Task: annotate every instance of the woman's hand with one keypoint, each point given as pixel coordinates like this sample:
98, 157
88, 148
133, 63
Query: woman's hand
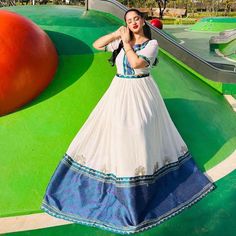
125, 34
116, 34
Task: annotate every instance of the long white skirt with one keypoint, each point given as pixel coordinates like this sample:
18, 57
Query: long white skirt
129, 132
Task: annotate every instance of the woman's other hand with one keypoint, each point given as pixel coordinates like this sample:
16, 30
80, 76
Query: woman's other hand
125, 34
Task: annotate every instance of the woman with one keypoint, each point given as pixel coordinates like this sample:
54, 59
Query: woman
127, 169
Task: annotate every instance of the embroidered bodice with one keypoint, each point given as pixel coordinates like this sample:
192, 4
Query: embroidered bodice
147, 50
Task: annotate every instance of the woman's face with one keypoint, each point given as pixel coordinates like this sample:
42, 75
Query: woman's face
134, 22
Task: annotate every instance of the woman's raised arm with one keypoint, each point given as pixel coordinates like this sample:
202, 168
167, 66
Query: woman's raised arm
100, 43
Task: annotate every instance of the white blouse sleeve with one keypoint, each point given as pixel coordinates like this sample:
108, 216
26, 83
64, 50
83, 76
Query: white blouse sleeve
149, 52
110, 47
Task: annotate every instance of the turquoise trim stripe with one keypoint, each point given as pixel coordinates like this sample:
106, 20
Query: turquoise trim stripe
132, 76
138, 47
146, 59
124, 62
144, 44
128, 70
124, 181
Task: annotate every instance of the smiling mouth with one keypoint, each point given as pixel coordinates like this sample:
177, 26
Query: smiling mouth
135, 27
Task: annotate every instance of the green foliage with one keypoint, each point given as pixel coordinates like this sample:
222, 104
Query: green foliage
225, 6
150, 3
178, 21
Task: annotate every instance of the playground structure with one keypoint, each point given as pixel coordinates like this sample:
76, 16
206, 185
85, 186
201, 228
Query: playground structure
224, 37
28, 61
156, 23
224, 44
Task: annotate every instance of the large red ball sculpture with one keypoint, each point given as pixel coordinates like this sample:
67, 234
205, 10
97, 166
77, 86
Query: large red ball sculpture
28, 61
157, 23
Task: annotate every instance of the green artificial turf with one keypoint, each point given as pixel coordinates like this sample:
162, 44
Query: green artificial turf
214, 24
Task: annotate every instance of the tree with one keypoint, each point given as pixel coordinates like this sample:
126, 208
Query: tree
162, 6
227, 6
150, 3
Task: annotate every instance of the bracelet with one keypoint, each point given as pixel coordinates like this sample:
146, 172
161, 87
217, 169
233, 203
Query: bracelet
128, 50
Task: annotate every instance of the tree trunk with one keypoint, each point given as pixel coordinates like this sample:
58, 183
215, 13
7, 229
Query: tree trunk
161, 9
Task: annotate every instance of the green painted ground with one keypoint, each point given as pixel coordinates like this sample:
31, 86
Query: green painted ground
34, 139
214, 215
214, 24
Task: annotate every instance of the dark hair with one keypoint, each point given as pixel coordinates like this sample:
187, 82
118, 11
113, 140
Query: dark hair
146, 31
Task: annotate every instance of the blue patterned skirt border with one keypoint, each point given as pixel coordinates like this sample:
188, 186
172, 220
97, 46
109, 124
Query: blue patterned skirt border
132, 76
123, 205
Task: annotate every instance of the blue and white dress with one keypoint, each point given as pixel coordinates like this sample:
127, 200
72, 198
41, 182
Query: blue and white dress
127, 169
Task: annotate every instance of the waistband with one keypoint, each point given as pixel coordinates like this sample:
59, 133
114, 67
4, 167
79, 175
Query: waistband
132, 76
